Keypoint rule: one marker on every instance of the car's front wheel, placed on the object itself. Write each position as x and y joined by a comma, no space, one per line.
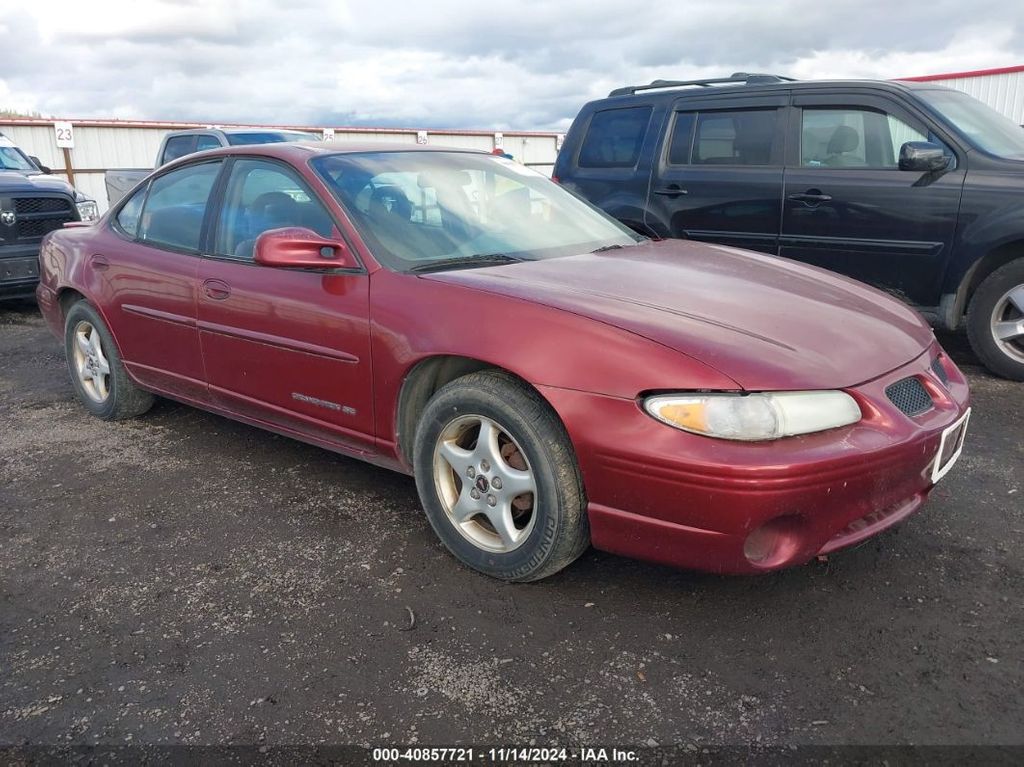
995,323
97,373
498,478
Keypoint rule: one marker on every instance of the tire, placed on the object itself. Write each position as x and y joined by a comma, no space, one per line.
998,304
536,533
97,373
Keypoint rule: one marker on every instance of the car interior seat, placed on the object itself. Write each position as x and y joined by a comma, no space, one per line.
843,141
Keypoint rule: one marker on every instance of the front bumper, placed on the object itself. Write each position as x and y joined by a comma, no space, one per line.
19,270
663,495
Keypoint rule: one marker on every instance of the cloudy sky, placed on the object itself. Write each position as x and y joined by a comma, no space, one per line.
439,63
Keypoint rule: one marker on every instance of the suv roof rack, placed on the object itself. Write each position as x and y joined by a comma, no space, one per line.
737,77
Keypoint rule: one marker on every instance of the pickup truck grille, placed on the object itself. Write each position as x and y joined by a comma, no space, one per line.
35,216
24,205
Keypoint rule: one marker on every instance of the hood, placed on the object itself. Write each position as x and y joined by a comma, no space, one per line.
768,323
14,181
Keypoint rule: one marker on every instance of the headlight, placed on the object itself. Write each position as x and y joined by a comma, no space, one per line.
88,210
754,417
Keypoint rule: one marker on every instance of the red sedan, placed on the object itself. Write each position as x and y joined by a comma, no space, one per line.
550,378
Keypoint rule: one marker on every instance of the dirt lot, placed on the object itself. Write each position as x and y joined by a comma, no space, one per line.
186,579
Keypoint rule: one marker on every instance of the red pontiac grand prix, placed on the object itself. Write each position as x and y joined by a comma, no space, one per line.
550,378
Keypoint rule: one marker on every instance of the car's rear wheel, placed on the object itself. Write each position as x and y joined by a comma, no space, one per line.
97,373
995,323
498,478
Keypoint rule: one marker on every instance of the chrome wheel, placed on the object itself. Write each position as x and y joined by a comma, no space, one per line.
485,483
1007,323
91,363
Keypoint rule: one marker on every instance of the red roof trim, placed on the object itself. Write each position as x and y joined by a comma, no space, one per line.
972,73
98,123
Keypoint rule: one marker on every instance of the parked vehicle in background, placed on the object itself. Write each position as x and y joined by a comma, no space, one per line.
549,377
911,187
32,203
184,142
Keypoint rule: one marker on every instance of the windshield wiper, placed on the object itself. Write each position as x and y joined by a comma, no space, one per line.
604,248
468,262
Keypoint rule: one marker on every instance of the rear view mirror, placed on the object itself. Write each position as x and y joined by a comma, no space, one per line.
300,248
922,156
39,164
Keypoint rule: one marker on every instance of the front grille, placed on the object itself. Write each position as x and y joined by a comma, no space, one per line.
37,215
940,372
41,205
910,396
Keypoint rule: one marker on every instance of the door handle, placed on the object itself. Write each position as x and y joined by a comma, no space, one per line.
218,290
100,263
811,197
672,190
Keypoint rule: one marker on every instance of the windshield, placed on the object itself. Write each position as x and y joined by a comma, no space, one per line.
415,207
269,137
11,158
983,126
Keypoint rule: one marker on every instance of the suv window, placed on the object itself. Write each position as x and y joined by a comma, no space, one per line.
261,196
614,138
128,216
855,138
735,137
177,146
174,210
682,138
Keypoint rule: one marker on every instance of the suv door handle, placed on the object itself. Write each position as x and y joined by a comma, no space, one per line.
672,190
218,290
811,197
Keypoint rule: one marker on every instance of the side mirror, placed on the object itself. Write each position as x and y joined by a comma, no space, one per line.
300,248
40,165
922,156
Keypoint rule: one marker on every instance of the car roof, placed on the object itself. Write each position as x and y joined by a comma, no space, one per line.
300,151
235,131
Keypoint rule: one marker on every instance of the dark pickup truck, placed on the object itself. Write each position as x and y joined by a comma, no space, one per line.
32,203
911,187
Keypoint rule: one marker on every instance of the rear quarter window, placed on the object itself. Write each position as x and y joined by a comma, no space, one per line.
614,138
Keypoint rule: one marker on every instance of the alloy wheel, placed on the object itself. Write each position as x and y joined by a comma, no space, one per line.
91,363
1007,323
485,483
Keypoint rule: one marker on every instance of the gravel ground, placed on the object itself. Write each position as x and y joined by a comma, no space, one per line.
183,579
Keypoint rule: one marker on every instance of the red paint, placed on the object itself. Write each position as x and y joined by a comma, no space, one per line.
591,333
971,73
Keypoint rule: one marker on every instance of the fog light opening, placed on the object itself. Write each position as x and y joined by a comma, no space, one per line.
775,543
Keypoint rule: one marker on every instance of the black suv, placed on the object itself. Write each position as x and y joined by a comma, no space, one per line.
914,188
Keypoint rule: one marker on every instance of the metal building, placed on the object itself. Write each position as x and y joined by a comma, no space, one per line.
101,145
1002,89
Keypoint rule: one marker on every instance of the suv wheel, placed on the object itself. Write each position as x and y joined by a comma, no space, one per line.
995,323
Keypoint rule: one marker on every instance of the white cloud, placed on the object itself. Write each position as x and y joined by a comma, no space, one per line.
456,64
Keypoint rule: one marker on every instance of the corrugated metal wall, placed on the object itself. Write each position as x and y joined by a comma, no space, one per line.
100,146
1004,92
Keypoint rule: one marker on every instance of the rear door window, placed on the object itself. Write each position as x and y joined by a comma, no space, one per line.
741,137
176,206
614,138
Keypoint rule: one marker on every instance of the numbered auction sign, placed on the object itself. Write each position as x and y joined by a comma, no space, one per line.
65,134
